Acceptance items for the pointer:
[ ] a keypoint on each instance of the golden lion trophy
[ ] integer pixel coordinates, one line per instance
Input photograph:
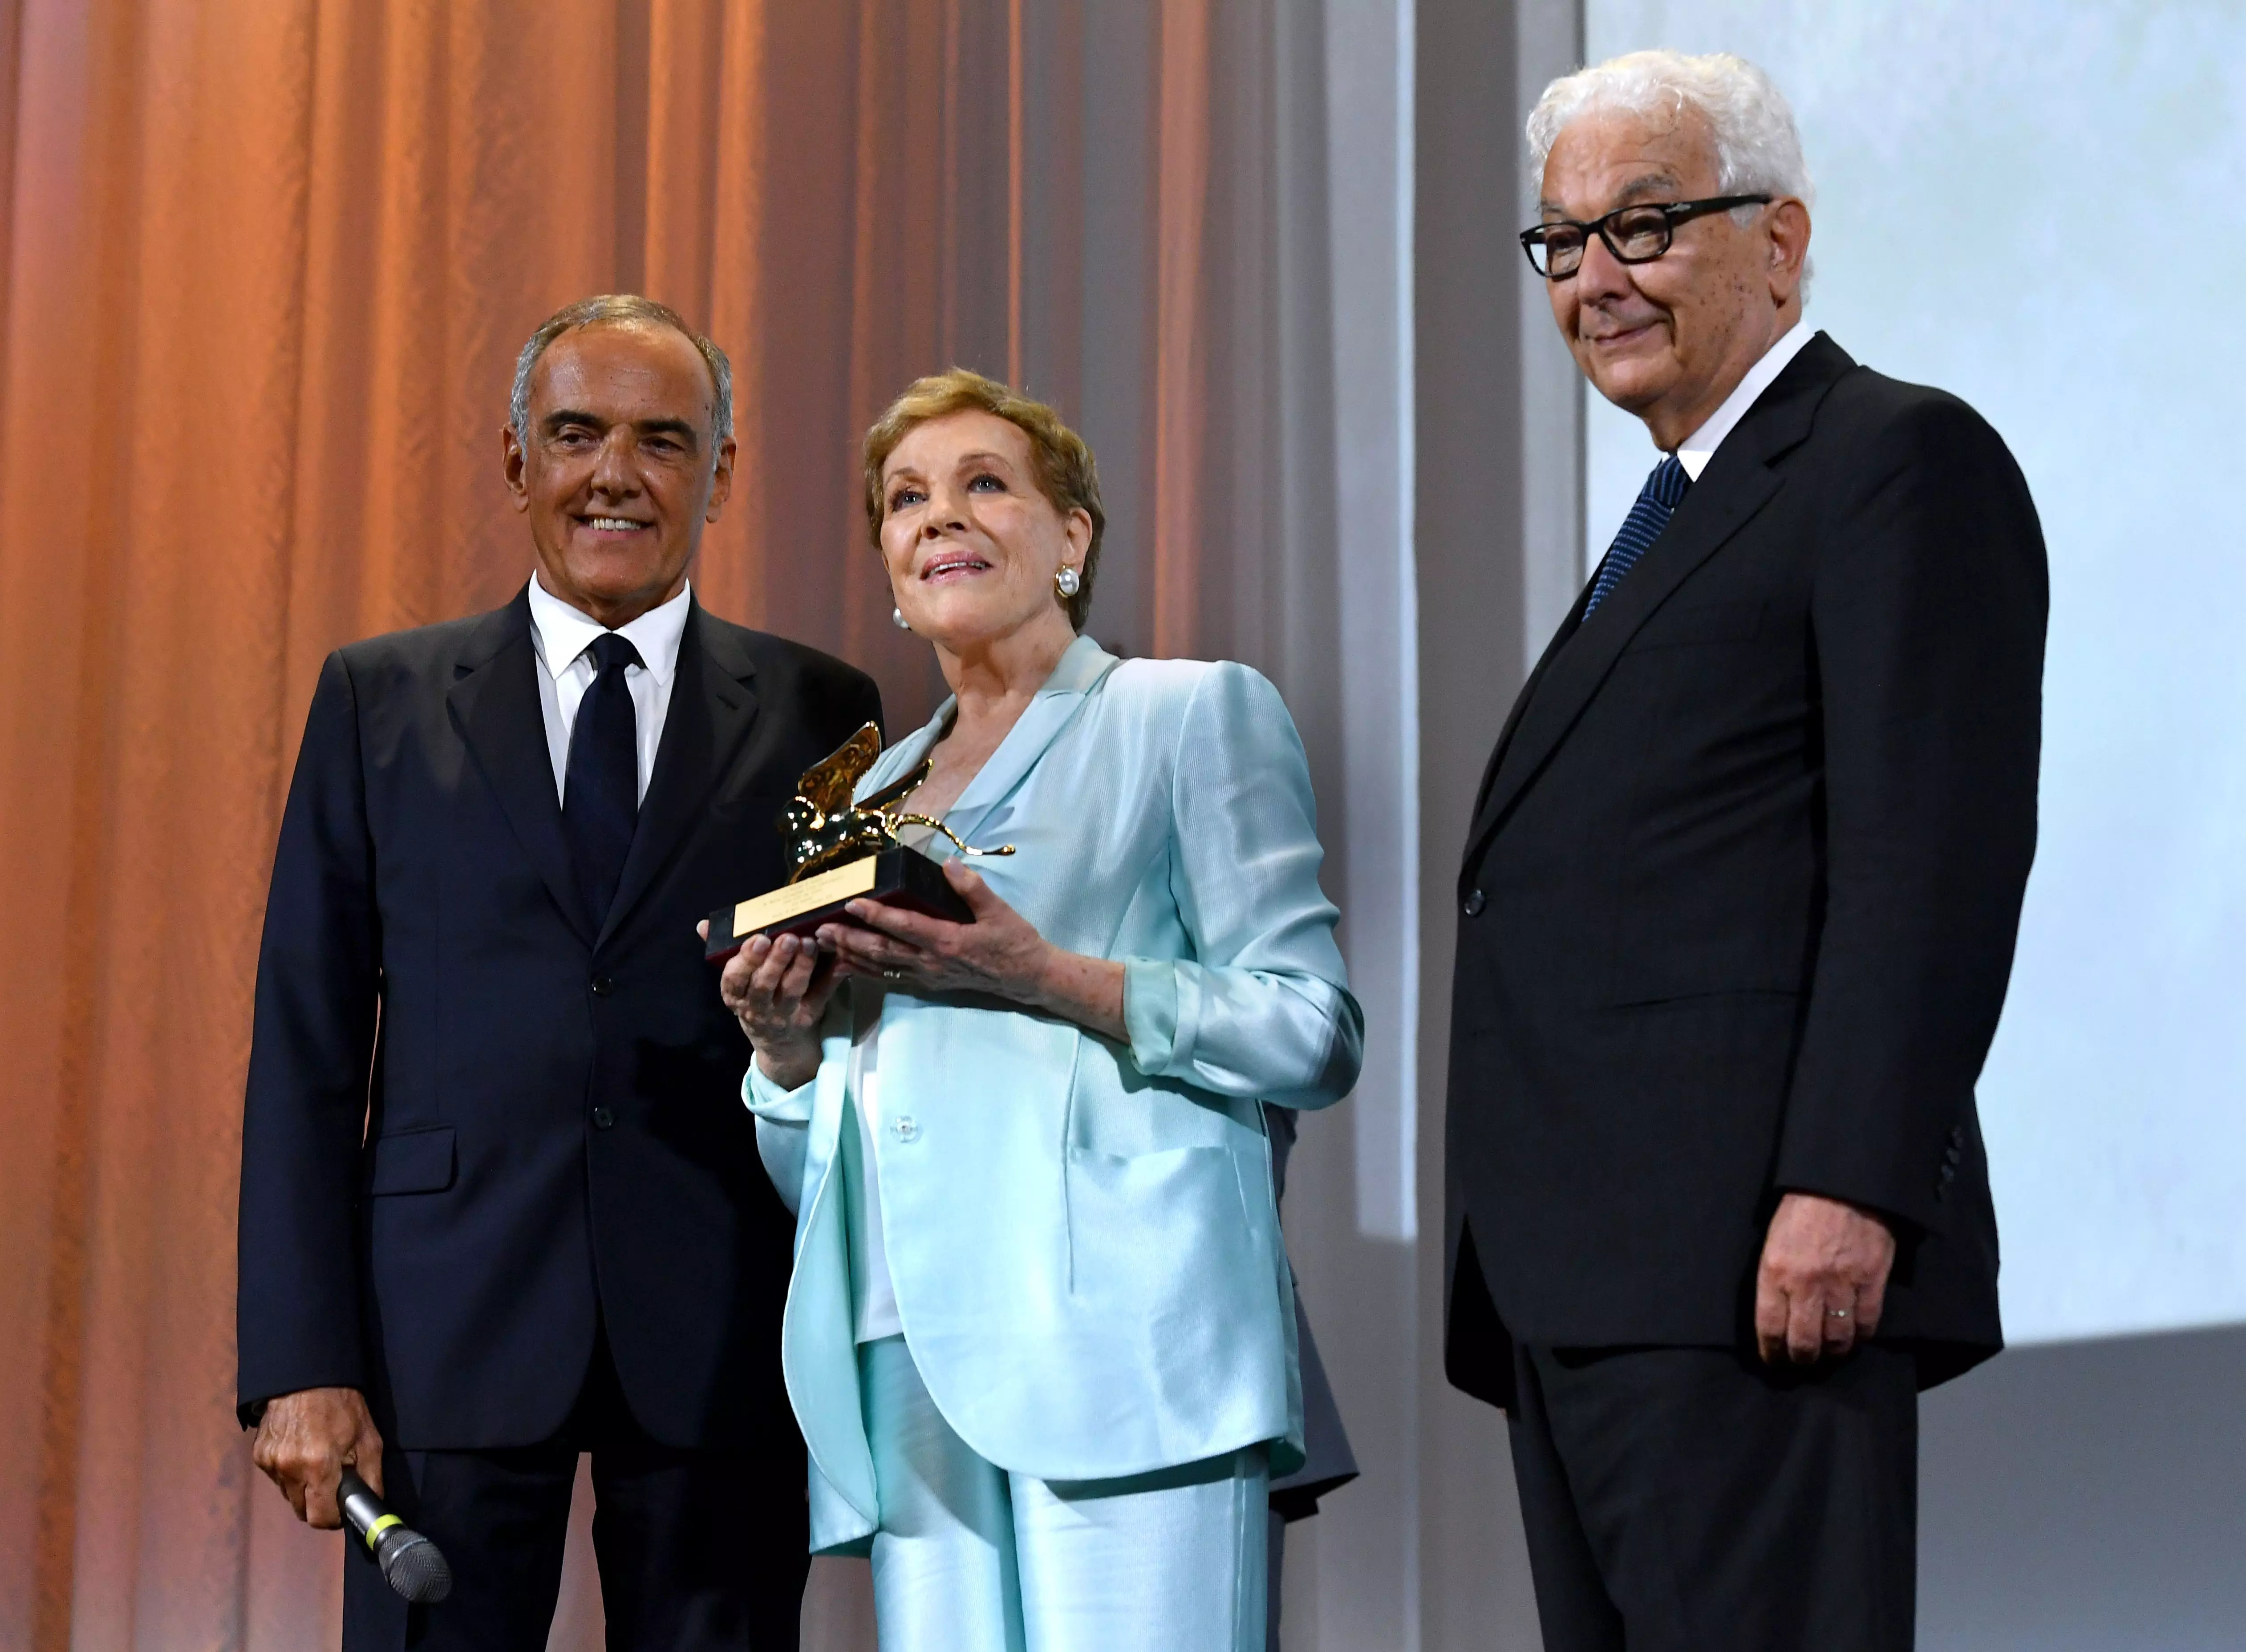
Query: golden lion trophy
(839, 852)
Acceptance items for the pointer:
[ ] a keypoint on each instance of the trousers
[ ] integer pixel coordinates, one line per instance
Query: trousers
(1692, 1499)
(699, 1551)
(970, 1558)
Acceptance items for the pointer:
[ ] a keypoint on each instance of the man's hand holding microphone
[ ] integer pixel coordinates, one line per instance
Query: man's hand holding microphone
(321, 1448)
(305, 1440)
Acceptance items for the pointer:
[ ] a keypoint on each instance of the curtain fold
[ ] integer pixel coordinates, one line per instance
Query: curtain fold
(264, 266)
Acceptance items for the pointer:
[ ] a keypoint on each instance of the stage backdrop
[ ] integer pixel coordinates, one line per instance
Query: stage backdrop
(264, 266)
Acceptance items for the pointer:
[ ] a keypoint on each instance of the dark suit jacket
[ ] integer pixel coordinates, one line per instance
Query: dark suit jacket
(1741, 889)
(477, 1120)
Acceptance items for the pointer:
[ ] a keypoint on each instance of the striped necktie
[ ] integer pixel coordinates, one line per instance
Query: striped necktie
(1656, 501)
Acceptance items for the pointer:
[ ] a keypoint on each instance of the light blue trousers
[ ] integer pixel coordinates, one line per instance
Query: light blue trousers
(970, 1558)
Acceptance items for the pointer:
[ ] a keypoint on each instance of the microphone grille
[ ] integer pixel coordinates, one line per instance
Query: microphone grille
(416, 1568)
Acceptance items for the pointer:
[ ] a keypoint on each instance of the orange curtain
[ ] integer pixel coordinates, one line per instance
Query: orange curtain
(264, 265)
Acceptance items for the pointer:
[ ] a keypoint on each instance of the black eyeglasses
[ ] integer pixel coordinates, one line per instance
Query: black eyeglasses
(1634, 235)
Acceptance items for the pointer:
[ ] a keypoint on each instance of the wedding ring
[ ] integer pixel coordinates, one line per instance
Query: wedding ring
(893, 975)
(1836, 1313)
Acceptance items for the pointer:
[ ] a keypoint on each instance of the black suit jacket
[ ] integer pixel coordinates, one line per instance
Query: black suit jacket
(1740, 893)
(477, 1120)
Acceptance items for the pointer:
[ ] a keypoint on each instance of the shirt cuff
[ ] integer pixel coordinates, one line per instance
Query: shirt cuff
(767, 1100)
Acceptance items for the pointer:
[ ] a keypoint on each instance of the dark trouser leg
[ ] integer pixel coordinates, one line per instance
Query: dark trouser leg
(699, 1551)
(1573, 1607)
(501, 1519)
(1726, 1505)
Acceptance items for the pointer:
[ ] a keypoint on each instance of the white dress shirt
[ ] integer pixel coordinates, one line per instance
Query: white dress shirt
(1700, 446)
(563, 638)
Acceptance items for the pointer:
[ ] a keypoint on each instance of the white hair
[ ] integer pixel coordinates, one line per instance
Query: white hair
(1758, 151)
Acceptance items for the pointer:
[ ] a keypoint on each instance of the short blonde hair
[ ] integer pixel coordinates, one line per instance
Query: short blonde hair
(1060, 459)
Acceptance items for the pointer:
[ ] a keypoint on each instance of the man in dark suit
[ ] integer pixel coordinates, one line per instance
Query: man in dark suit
(1738, 909)
(500, 1198)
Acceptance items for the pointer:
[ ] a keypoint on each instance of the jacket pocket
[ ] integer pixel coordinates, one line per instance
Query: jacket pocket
(413, 1161)
(1157, 1228)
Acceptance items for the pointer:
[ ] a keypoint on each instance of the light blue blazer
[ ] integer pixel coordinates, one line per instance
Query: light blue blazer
(1082, 1235)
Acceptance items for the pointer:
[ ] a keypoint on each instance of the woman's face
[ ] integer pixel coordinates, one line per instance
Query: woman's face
(971, 543)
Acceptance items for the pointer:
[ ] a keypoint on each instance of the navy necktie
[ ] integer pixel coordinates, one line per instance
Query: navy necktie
(1656, 501)
(600, 798)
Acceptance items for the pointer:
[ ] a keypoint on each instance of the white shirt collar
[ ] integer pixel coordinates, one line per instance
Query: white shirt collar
(1700, 446)
(562, 633)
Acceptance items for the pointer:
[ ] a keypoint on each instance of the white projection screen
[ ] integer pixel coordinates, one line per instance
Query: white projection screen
(2041, 206)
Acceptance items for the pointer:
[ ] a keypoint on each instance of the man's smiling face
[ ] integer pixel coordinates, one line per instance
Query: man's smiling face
(616, 476)
(1668, 340)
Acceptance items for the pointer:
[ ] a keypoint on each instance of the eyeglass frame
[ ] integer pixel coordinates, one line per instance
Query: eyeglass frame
(1673, 213)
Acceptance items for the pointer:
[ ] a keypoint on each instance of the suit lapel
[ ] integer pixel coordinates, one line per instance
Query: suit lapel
(1512, 721)
(493, 703)
(1739, 482)
(712, 706)
(1052, 709)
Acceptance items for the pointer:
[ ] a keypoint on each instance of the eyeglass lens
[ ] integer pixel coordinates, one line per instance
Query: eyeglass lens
(1637, 234)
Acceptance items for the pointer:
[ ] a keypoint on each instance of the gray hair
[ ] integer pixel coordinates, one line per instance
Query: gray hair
(612, 310)
(1758, 151)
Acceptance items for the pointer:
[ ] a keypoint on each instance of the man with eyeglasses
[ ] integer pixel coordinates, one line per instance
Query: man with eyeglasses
(1737, 909)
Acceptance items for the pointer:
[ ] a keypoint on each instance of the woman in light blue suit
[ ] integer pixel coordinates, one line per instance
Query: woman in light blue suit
(1041, 1333)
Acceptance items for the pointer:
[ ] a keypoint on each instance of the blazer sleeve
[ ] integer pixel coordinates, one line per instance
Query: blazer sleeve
(1263, 1008)
(783, 1130)
(298, 1318)
(784, 1116)
(1928, 617)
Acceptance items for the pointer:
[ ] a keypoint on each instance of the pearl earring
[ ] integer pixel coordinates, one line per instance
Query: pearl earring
(1068, 581)
(897, 618)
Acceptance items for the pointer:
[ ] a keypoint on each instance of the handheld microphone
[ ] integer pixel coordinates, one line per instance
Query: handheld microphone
(411, 1563)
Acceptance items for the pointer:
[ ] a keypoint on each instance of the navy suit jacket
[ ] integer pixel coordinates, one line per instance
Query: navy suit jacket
(480, 1121)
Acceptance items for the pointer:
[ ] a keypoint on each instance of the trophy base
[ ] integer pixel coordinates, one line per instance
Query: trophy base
(896, 877)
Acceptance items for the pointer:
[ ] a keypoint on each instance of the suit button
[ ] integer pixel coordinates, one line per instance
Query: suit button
(905, 1129)
(1952, 1154)
(602, 986)
(1474, 902)
(603, 1118)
